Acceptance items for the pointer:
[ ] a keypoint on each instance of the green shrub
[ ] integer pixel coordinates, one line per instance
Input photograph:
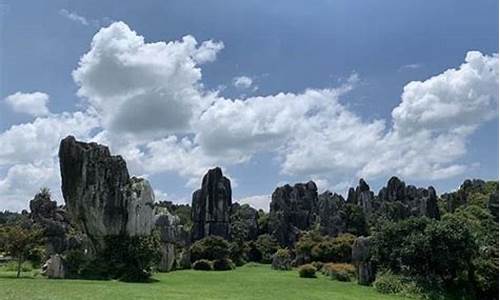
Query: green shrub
(202, 265)
(389, 283)
(307, 271)
(237, 253)
(267, 246)
(210, 248)
(282, 260)
(224, 264)
(318, 265)
(340, 272)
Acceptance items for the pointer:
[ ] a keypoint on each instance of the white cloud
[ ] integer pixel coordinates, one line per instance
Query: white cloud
(410, 67)
(34, 104)
(146, 101)
(466, 96)
(257, 201)
(242, 82)
(144, 88)
(73, 16)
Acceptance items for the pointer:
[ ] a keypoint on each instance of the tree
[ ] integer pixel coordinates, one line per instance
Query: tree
(19, 241)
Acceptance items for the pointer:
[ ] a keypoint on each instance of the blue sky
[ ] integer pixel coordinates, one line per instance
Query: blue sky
(370, 48)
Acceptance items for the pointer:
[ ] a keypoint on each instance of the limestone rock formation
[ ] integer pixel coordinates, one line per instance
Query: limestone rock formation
(362, 197)
(100, 197)
(244, 225)
(54, 268)
(211, 206)
(332, 217)
(53, 221)
(361, 259)
(292, 209)
(399, 201)
(169, 227)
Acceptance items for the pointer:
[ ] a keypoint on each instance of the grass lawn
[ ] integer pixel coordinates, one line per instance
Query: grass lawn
(247, 282)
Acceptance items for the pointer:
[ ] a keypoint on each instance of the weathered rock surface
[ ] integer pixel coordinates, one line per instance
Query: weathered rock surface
(362, 197)
(292, 209)
(361, 259)
(332, 217)
(169, 228)
(399, 201)
(211, 206)
(244, 225)
(54, 268)
(53, 221)
(100, 197)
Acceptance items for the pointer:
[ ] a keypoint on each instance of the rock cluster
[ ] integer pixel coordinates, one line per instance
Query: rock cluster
(53, 221)
(100, 196)
(169, 228)
(211, 206)
(292, 209)
(297, 208)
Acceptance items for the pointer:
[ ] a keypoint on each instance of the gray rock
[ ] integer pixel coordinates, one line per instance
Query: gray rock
(168, 226)
(332, 217)
(362, 260)
(53, 221)
(292, 209)
(100, 197)
(211, 206)
(54, 268)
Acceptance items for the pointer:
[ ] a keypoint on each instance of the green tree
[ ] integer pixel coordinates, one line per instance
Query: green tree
(19, 242)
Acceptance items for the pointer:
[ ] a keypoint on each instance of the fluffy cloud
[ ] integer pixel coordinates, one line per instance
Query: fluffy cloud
(242, 82)
(146, 101)
(144, 88)
(466, 96)
(34, 104)
(257, 201)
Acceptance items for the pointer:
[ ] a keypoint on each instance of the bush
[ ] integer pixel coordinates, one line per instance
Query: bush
(340, 272)
(210, 248)
(318, 265)
(237, 253)
(307, 271)
(202, 265)
(389, 283)
(11, 266)
(267, 246)
(282, 260)
(224, 264)
(312, 246)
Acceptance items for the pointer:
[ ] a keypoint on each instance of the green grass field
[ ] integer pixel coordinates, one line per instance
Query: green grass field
(247, 282)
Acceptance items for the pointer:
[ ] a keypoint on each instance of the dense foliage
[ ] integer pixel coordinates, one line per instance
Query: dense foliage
(312, 246)
(210, 248)
(307, 271)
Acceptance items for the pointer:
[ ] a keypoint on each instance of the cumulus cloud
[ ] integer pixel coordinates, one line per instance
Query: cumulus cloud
(242, 82)
(34, 104)
(257, 201)
(146, 101)
(144, 88)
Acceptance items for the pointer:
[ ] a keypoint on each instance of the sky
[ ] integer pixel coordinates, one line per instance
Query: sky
(274, 92)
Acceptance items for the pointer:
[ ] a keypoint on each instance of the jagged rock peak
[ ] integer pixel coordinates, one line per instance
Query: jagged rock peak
(99, 194)
(211, 206)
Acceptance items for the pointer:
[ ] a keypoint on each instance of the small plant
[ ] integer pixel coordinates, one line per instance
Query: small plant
(340, 272)
(202, 265)
(389, 283)
(307, 271)
(318, 265)
(282, 260)
(224, 264)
